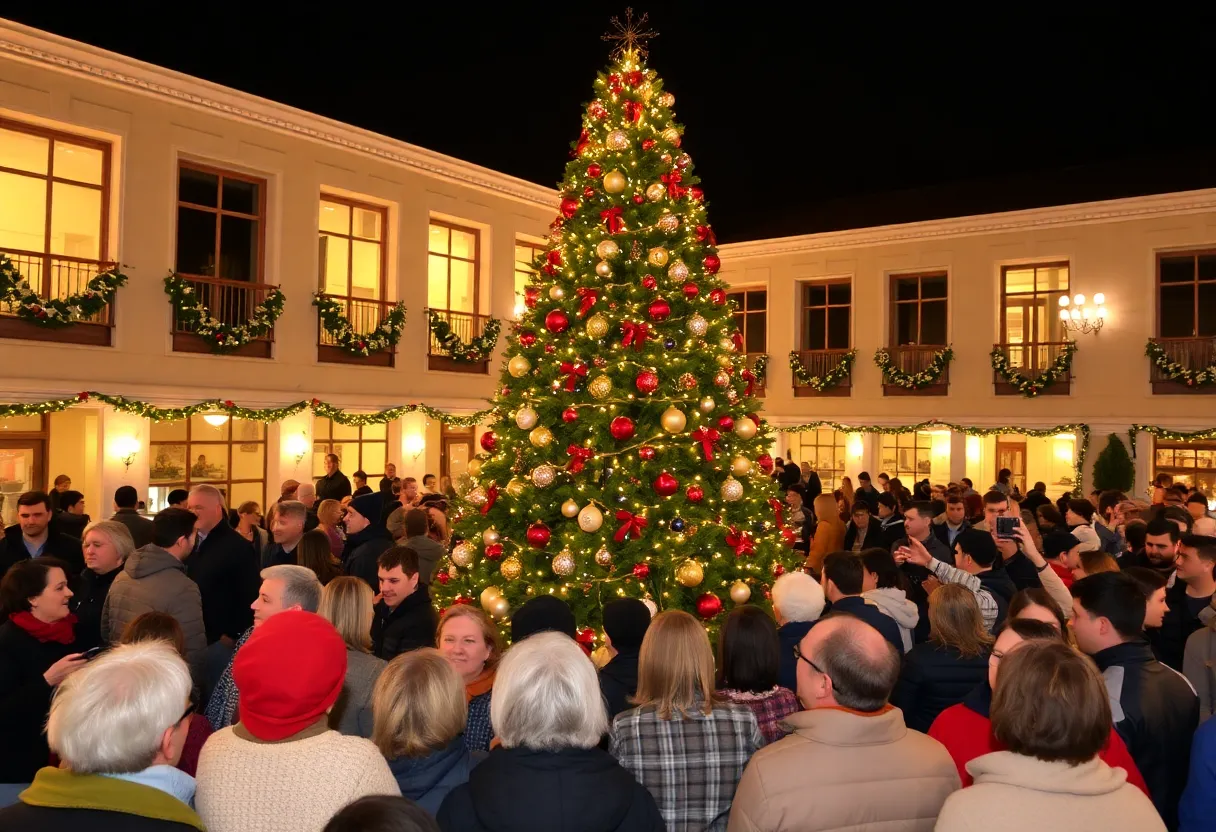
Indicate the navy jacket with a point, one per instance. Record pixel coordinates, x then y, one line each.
228 578
410 625
1169 640
857 606
427 780
619 681
934 678
790 633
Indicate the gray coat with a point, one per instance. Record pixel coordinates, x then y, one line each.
430 553
352 713
1199 663
153 579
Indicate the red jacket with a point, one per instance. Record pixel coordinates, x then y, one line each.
967 734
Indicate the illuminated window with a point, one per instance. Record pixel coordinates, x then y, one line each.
908 456
525 255
751 316
220 224
359 448
352 253
826 308
918 310
1186 294
1030 311
1191 463
824 450
452 267
231 456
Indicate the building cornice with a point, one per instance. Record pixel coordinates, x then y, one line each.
33 46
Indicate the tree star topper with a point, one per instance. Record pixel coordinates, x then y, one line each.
630 36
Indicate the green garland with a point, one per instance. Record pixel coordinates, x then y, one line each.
335 322
57 312
221 337
1175 371
829 379
356 419
39 408
1031 387
174 414
913 381
478 349
1166 433
760 369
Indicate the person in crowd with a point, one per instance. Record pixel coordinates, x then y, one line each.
829 531
1153 585
1156 710
1197 809
225 570
1199 657
1179 516
35 536
177 498
37 652
885 586
470 641
974 506
306 495
249 526
446 488
1035 497
1031 522
846 489
126 502
866 492
386 482
1093 561
329 521
1062 551
891 522
975 555
1197 506
843 580
687 747
625 623
382 813
61 484
430 552
798 601
550 721
1191 594
410 494
800 516
281 767
1160 483
360 483
313 552
437 522
1135 532
863 531
947 527
852 739
284 588
428 484
1036 604
1011 558
107 545
420 714
395 523
404 619
943 670
1079 519
541 614
346 603
288 490
791 474
918 525
748 658
154 578
70 517
1050 519
1109 521
1051 715
1002 482
334 485
367 538
118 727
290 517
968 486
884 482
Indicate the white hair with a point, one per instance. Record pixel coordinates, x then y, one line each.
306 489
547 696
109 717
798 597
300 585
212 492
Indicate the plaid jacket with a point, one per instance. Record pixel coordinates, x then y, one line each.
691 766
770 708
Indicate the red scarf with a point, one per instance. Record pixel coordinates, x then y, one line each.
62 631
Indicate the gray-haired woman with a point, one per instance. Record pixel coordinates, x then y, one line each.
107 545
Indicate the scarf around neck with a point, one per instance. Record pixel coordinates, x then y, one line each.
482 684
62 631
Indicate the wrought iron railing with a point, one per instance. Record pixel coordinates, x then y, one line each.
231 302
465 325
56 277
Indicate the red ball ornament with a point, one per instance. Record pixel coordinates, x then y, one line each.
647 382
665 484
726 423
709 605
494 551
588 192
778 570
647 144
569 207
717 297
646 453
556 322
765 462
538 535
598 109
489 441
527 338
641 571
554 257
691 290
635 78
638 199
702 232
463 599
531 296
570 414
695 493
594 170
550 349
648 282
660 310
586 637
712 263
621 428
695 193
443 577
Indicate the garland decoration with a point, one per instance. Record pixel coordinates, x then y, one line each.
39 408
221 336
913 381
1166 433
337 325
57 312
1033 386
829 379
1174 371
478 349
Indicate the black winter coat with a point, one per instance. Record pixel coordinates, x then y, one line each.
228 577
333 486
140 527
22 817
934 678
25 700
90 599
619 681
574 790
362 562
873 536
58 545
1169 640
410 626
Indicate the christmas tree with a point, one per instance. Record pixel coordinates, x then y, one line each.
627 459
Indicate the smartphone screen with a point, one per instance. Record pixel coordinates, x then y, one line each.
1005 527
91 653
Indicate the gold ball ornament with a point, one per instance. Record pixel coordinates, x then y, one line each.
597 326
518 366
499 607
708 404
590 518
511 567
725 360
667 100
657 256
543 476
732 490
563 563
603 268
614 182
674 420
721 378
740 592
462 555
740 466
607 249
515 487
526 418
569 509
603 557
489 594
745 428
556 293
698 326
600 387
540 437
688 381
690 573
474 467
477 496
727 344
672 135
617 140
655 192
668 223
678 270
490 536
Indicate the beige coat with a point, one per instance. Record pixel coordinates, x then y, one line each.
1013 793
153 579
845 770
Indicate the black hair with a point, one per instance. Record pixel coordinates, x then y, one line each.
921 507
1110 499
978 546
994 496
416 522
33 498
864 475
382 813
1198 497
882 563
887 499
1037 596
1134 532
69 498
860 507
1047 513
1203 545
125 496
1159 526
360 475
177 495
749 651
1116 597
1040 486
1150 580
1177 514
967 482
1003 475
798 488
24 580
1082 507
172 524
846 570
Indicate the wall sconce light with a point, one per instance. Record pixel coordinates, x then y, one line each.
125 449
414 445
1076 316
297 446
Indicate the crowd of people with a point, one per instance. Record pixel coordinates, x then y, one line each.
933 665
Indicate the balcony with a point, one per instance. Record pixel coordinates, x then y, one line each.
819 363
231 302
1032 361
914 359
1191 353
750 362
365 316
466 326
58 277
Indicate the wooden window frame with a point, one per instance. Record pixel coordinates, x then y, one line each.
919 277
1181 470
916 446
840 441
1195 282
476 261
219 212
804 309
187 482
1033 295
517 271
329 447
350 237
739 295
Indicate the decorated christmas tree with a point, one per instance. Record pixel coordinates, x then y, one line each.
627 458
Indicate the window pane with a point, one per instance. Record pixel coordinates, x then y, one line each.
240 196
22 213
366 269
1015 329
333 264
1019 280
367 224
21 423
376 430
1178 311
75 221
816 330
907 288
22 151
816 294
463 244
334 217
244 491
167 431
437 239
1207 267
933 287
348 455
238 249
838 328
320 428
208 462
523 258
319 450
373 458
755 340
1177 269
462 286
342 431
247 430
1207 309
1053 279
198 187
839 293
437 282
195 242
905 324
249 461
74 161
201 431
757 300
933 322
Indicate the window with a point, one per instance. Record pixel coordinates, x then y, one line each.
1186 303
826 308
751 316
525 255
918 313
908 456
352 248
1030 303
359 448
220 224
230 455
824 450
452 267
1193 463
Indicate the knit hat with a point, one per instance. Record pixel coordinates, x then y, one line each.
625 622
288 674
369 505
543 612
1057 543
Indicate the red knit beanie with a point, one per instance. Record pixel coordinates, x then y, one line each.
288 674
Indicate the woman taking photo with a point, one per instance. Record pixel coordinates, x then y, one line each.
107 545
346 602
469 640
36 654
749 653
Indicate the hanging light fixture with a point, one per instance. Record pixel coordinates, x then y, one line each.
1078 317
215 419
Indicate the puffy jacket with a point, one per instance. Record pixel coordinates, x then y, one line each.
894 602
1199 663
933 678
153 579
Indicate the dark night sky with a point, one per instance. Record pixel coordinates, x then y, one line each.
796 121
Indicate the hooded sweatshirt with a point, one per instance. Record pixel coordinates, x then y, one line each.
427 780
894 602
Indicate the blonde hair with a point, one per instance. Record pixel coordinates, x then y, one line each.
488 631
955 621
418 704
675 666
825 508
346 602
329 512
119 535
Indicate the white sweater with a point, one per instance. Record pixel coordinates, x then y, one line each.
297 786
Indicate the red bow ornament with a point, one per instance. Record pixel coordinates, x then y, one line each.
588 299
632 526
672 180
736 338
708 437
584 141
612 219
491 498
750 378
740 542
573 372
778 511
578 458
635 334
633 111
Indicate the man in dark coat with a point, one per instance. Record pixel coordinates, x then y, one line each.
625 622
864 526
126 498
290 522
405 618
224 567
35 536
843 574
367 538
334 485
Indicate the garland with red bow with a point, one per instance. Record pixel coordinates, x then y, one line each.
635 334
740 542
632 526
579 457
612 219
708 437
573 371
491 498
